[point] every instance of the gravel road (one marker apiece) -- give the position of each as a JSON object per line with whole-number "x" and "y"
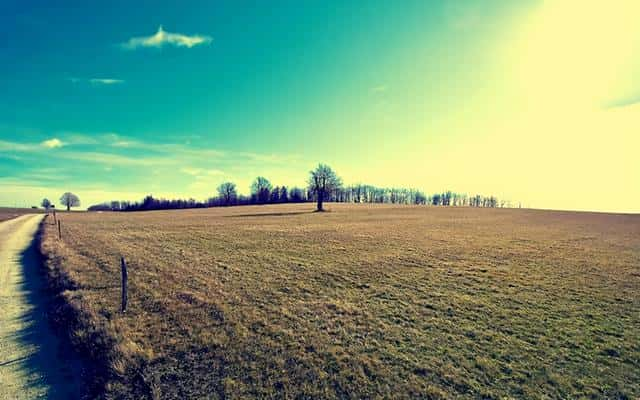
{"x": 34, "y": 363}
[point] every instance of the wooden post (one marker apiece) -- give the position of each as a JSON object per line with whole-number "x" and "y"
{"x": 59, "y": 231}
{"x": 123, "y": 265}
{"x": 55, "y": 221}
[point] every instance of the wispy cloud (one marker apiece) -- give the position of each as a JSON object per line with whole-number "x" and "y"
{"x": 201, "y": 172}
{"x": 624, "y": 102}
{"x": 106, "y": 158}
{"x": 105, "y": 81}
{"x": 191, "y": 171}
{"x": 111, "y": 150}
{"x": 162, "y": 38}
{"x": 269, "y": 158}
{"x": 111, "y": 159}
{"x": 42, "y": 175}
{"x": 53, "y": 143}
{"x": 17, "y": 146}
{"x": 77, "y": 139}
{"x": 98, "y": 81}
{"x": 116, "y": 142}
{"x": 171, "y": 149}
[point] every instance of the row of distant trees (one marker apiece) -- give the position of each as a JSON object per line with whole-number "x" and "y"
{"x": 323, "y": 185}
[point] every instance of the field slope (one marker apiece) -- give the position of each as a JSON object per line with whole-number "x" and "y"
{"x": 361, "y": 302}
{"x": 7, "y": 213}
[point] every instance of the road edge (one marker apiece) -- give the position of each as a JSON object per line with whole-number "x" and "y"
{"x": 67, "y": 319}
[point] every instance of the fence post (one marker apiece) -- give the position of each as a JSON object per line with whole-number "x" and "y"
{"x": 59, "y": 231}
{"x": 123, "y": 265}
{"x": 55, "y": 221}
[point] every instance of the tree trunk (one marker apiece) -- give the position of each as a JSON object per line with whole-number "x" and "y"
{"x": 320, "y": 197}
{"x": 68, "y": 206}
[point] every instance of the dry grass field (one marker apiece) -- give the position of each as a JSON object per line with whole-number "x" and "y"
{"x": 7, "y": 213}
{"x": 359, "y": 302}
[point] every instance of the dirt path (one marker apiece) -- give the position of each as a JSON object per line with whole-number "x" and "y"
{"x": 33, "y": 361}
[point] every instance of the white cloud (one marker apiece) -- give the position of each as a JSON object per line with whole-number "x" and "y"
{"x": 97, "y": 81}
{"x": 162, "y": 37}
{"x": 105, "y": 81}
{"x": 123, "y": 143}
{"x": 52, "y": 143}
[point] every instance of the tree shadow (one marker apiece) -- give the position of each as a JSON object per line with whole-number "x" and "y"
{"x": 52, "y": 368}
{"x": 275, "y": 214}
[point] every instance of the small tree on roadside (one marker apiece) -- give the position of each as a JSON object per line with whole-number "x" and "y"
{"x": 46, "y": 204}
{"x": 227, "y": 192}
{"x": 322, "y": 181}
{"x": 70, "y": 200}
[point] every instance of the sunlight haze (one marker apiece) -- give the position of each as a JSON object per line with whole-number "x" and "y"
{"x": 536, "y": 102}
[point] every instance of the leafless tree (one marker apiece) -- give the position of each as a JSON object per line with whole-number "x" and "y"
{"x": 70, "y": 200}
{"x": 322, "y": 181}
{"x": 227, "y": 192}
{"x": 261, "y": 189}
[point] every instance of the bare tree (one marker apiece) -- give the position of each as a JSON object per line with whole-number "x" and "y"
{"x": 322, "y": 181}
{"x": 70, "y": 200}
{"x": 275, "y": 195}
{"x": 284, "y": 195}
{"x": 46, "y": 204}
{"x": 227, "y": 192}
{"x": 261, "y": 189}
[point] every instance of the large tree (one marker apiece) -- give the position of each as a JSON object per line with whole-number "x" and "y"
{"x": 227, "y": 193}
{"x": 322, "y": 181}
{"x": 46, "y": 204}
{"x": 261, "y": 189}
{"x": 70, "y": 200}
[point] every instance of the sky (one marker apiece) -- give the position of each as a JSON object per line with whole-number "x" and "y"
{"x": 536, "y": 102}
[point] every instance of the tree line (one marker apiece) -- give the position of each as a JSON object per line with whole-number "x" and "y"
{"x": 323, "y": 185}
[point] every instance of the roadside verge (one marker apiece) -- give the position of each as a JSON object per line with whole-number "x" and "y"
{"x": 92, "y": 334}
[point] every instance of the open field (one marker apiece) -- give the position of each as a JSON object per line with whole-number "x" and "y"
{"x": 361, "y": 302}
{"x": 9, "y": 212}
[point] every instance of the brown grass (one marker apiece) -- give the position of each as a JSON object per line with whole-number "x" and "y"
{"x": 7, "y": 213}
{"x": 360, "y": 302}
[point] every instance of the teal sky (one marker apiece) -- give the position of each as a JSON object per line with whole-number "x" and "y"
{"x": 99, "y": 100}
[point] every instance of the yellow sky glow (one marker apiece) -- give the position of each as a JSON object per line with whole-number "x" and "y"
{"x": 562, "y": 143}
